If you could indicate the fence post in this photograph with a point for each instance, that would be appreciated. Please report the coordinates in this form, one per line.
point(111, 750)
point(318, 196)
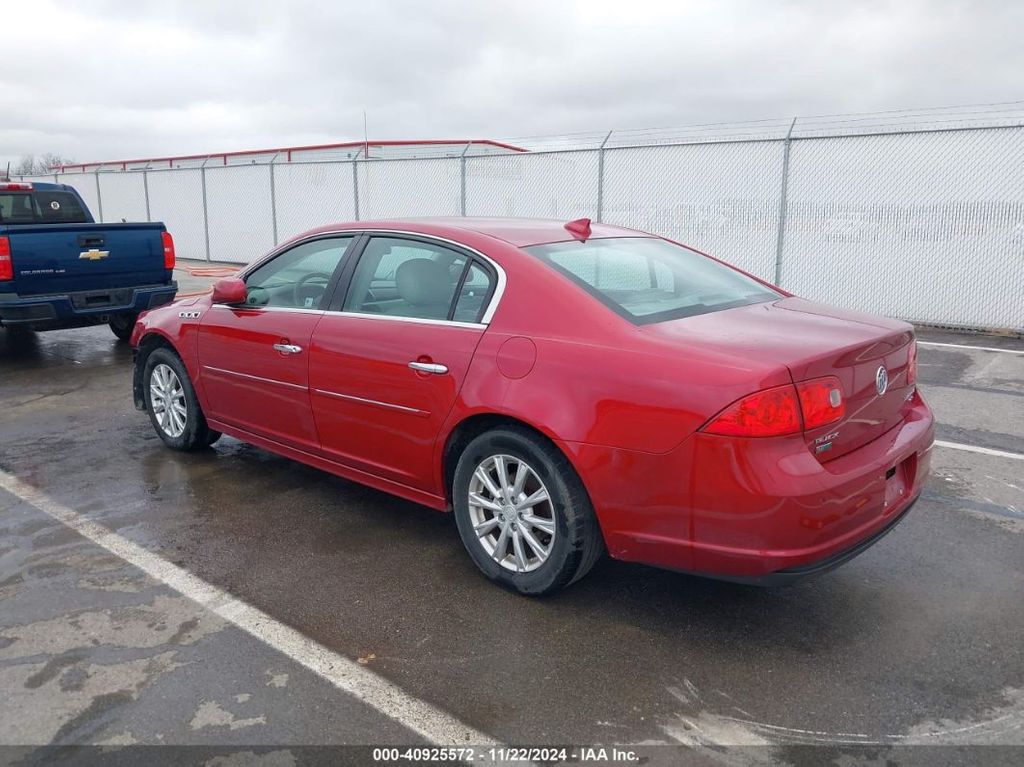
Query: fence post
point(355, 186)
point(462, 173)
point(99, 196)
point(273, 199)
point(206, 216)
point(145, 190)
point(781, 235)
point(600, 179)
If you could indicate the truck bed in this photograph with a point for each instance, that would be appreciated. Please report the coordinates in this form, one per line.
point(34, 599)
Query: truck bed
point(56, 258)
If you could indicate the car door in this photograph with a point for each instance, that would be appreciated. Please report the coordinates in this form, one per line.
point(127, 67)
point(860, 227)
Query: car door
point(387, 363)
point(254, 357)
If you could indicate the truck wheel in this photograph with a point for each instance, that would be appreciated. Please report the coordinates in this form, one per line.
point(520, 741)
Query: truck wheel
point(172, 405)
point(523, 513)
point(122, 325)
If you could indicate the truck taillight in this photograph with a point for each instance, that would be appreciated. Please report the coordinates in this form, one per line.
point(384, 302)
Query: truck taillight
point(168, 250)
point(767, 413)
point(912, 364)
point(821, 401)
point(6, 265)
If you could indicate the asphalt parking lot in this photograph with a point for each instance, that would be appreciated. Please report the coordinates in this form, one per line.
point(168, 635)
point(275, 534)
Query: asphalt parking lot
point(112, 639)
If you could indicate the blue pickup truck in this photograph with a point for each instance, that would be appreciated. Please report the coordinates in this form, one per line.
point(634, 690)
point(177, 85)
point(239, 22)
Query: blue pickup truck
point(60, 269)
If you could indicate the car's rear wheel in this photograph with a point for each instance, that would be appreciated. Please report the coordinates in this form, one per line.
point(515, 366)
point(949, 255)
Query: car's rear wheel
point(122, 325)
point(523, 513)
point(172, 404)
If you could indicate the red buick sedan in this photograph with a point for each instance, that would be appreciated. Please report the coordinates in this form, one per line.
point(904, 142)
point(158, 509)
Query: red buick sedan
point(565, 389)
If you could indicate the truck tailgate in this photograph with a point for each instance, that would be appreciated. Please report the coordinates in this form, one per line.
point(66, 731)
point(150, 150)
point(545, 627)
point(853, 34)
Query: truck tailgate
point(60, 258)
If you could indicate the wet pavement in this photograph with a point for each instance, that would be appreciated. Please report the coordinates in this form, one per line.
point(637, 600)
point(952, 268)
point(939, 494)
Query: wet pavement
point(918, 640)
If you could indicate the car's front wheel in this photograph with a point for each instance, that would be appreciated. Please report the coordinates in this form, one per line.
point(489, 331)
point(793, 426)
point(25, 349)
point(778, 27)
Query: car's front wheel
point(523, 513)
point(172, 404)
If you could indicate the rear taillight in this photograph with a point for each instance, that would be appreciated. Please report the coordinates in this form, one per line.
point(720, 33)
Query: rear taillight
point(782, 410)
point(821, 401)
point(168, 250)
point(912, 364)
point(767, 413)
point(6, 265)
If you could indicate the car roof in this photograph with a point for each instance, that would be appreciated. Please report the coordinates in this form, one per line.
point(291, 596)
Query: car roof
point(520, 232)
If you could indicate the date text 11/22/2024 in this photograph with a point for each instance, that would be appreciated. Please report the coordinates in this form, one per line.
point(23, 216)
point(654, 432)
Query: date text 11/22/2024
point(507, 754)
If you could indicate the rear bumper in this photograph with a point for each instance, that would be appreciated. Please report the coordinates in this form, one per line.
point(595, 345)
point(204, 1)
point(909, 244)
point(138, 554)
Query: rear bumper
point(822, 566)
point(81, 308)
point(758, 511)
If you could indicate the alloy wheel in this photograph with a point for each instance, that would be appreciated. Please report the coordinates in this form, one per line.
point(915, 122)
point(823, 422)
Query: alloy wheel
point(511, 512)
point(167, 398)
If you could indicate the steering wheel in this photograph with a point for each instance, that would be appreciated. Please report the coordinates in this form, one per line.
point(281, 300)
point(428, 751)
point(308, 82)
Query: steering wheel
point(308, 291)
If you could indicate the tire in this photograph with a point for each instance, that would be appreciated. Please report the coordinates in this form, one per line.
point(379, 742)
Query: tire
point(122, 325)
point(576, 543)
point(165, 374)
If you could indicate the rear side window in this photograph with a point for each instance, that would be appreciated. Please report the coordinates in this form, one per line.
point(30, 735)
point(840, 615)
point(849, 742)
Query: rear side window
point(650, 280)
point(41, 207)
point(473, 295)
point(411, 278)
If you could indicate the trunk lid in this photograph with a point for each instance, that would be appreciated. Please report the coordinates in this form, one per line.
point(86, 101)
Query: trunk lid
point(812, 341)
point(63, 258)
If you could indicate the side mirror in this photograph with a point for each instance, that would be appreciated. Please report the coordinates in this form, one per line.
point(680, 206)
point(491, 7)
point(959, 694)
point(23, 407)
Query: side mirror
point(230, 291)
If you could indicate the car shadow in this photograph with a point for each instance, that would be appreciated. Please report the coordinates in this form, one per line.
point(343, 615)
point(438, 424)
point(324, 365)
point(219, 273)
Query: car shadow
point(337, 536)
point(18, 345)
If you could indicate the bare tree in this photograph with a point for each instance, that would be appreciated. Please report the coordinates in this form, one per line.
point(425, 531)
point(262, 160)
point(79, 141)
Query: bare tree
point(52, 160)
point(26, 166)
point(30, 165)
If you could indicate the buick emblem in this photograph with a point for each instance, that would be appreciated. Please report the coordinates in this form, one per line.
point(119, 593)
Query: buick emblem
point(881, 380)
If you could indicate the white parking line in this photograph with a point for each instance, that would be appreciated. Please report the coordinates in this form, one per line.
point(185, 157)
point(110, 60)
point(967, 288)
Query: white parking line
point(976, 449)
point(975, 348)
point(431, 723)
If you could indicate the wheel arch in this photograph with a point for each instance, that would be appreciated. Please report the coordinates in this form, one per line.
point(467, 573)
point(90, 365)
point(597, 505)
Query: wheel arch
point(475, 424)
point(149, 343)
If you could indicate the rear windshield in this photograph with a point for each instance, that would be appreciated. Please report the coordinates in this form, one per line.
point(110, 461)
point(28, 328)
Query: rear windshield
point(650, 280)
point(41, 207)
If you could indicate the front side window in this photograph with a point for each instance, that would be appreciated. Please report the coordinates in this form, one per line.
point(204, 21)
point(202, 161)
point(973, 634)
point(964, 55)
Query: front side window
point(411, 278)
point(650, 280)
point(297, 278)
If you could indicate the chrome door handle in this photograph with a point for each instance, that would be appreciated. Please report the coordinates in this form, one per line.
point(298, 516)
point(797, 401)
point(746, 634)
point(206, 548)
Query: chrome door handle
point(429, 367)
point(288, 348)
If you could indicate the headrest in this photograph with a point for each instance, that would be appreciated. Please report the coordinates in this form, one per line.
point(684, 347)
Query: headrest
point(423, 282)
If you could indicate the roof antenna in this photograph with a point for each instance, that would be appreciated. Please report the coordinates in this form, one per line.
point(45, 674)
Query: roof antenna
point(580, 229)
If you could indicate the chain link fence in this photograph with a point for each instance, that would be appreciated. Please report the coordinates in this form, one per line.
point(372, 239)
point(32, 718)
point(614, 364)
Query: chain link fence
point(916, 215)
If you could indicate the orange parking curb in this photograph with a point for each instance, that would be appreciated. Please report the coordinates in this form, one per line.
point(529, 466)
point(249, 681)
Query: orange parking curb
point(208, 271)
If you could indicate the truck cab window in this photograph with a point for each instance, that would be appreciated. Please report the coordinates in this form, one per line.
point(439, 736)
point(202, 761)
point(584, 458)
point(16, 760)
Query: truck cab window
point(16, 209)
point(58, 208)
point(41, 207)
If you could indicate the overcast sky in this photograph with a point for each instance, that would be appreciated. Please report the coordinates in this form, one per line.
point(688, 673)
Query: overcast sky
point(113, 79)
